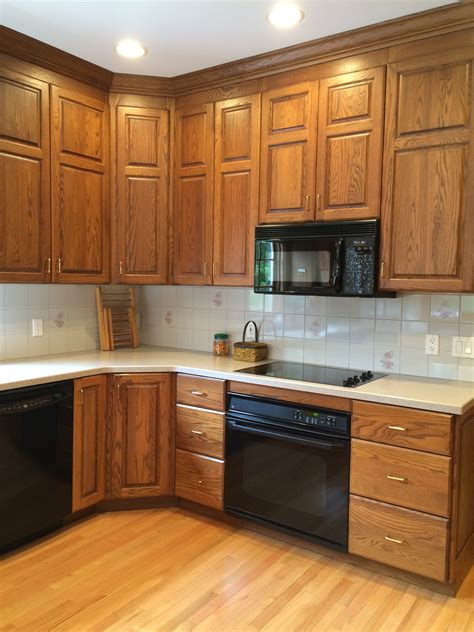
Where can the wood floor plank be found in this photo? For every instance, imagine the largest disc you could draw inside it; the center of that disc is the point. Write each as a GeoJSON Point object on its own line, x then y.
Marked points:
{"type": "Point", "coordinates": [168, 570]}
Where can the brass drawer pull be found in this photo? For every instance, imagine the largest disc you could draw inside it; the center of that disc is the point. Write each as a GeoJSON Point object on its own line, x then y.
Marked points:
{"type": "Point", "coordinates": [401, 428]}
{"type": "Point", "coordinates": [81, 401]}
{"type": "Point", "coordinates": [200, 482]}
{"type": "Point", "coordinates": [389, 539]}
{"type": "Point", "coordinates": [199, 393]}
{"type": "Point", "coordinates": [197, 432]}
{"type": "Point", "coordinates": [397, 478]}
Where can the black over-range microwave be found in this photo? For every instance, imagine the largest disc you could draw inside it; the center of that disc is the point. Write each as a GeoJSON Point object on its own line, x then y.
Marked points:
{"type": "Point", "coordinates": [328, 258]}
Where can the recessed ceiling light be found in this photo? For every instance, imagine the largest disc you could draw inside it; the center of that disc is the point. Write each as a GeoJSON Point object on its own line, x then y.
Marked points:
{"type": "Point", "coordinates": [285, 15]}
{"type": "Point", "coordinates": [130, 48]}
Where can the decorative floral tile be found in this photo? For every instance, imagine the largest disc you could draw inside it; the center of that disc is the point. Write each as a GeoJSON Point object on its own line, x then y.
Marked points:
{"type": "Point", "coordinates": [445, 307]}
{"type": "Point", "coordinates": [315, 327]}
{"type": "Point", "coordinates": [387, 359]}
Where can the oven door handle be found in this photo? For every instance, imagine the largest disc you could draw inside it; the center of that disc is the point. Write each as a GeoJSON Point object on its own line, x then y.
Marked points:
{"type": "Point", "coordinates": [325, 445]}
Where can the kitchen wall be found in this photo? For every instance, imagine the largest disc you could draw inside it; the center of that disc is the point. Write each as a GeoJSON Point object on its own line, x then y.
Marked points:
{"type": "Point", "coordinates": [69, 319]}
{"type": "Point", "coordinates": [383, 334]}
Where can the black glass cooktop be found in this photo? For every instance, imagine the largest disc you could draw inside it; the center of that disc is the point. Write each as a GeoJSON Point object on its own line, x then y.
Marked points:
{"type": "Point", "coordinates": [314, 373]}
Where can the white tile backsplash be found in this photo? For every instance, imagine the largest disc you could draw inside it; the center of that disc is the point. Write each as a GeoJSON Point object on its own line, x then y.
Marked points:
{"type": "Point", "coordinates": [69, 319]}
{"type": "Point", "coordinates": [382, 334]}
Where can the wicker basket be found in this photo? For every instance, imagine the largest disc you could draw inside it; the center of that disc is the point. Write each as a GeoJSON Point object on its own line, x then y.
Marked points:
{"type": "Point", "coordinates": [250, 351]}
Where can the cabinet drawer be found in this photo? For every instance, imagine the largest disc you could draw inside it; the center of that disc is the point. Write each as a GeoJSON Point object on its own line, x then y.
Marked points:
{"type": "Point", "coordinates": [402, 538]}
{"type": "Point", "coordinates": [404, 427]}
{"type": "Point", "coordinates": [199, 478]}
{"type": "Point", "coordinates": [200, 431]}
{"type": "Point", "coordinates": [401, 477]}
{"type": "Point", "coordinates": [201, 391]}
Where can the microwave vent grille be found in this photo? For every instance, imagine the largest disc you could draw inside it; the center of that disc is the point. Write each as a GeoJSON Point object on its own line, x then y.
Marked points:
{"type": "Point", "coordinates": [318, 229]}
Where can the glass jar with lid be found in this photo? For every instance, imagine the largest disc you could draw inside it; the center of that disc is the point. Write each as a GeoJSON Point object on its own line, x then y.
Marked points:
{"type": "Point", "coordinates": [220, 345]}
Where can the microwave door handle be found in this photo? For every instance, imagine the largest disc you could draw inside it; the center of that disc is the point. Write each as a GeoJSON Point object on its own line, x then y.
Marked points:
{"type": "Point", "coordinates": [337, 271]}
{"type": "Point", "coordinates": [325, 445]}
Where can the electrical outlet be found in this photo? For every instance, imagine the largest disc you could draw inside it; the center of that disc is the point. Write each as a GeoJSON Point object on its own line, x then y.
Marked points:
{"type": "Point", "coordinates": [432, 344]}
{"type": "Point", "coordinates": [463, 347]}
{"type": "Point", "coordinates": [36, 327]}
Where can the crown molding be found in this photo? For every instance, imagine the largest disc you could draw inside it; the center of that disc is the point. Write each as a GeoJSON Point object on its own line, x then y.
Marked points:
{"type": "Point", "coordinates": [32, 50]}
{"type": "Point", "coordinates": [142, 84]}
{"type": "Point", "coordinates": [402, 30]}
{"type": "Point", "coordinates": [362, 40]}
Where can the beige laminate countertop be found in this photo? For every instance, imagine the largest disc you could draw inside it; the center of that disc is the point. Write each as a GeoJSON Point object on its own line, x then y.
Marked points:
{"type": "Point", "coordinates": [448, 396]}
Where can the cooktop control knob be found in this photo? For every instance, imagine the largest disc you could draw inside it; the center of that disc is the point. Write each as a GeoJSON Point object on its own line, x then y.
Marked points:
{"type": "Point", "coordinates": [356, 379]}
{"type": "Point", "coordinates": [370, 375]}
{"type": "Point", "coordinates": [348, 382]}
{"type": "Point", "coordinates": [364, 377]}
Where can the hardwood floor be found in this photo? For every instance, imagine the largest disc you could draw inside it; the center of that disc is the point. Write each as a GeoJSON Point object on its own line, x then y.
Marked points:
{"type": "Point", "coordinates": [168, 569]}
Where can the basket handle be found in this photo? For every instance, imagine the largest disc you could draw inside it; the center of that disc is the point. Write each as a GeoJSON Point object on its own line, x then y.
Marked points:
{"type": "Point", "coordinates": [250, 322]}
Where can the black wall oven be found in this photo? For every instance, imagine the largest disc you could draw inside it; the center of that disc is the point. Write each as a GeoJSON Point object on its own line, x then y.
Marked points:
{"type": "Point", "coordinates": [328, 258]}
{"type": "Point", "coordinates": [288, 466]}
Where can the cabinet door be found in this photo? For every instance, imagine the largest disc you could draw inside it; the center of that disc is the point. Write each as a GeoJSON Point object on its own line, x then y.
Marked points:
{"type": "Point", "coordinates": [142, 194]}
{"type": "Point", "coordinates": [88, 479]}
{"type": "Point", "coordinates": [142, 436]}
{"type": "Point", "coordinates": [25, 214]}
{"type": "Point", "coordinates": [193, 195]}
{"type": "Point", "coordinates": [350, 131]}
{"type": "Point", "coordinates": [236, 190]}
{"type": "Point", "coordinates": [427, 216]}
{"type": "Point", "coordinates": [288, 154]}
{"type": "Point", "coordinates": [80, 188]}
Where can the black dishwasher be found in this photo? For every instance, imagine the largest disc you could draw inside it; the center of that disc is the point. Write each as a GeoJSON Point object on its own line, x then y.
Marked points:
{"type": "Point", "coordinates": [36, 431]}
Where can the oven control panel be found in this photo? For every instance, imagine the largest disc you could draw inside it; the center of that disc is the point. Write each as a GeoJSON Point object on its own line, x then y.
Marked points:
{"type": "Point", "coordinates": [320, 418]}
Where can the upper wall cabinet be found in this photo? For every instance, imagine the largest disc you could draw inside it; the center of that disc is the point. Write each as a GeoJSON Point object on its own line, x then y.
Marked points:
{"type": "Point", "coordinates": [428, 219]}
{"type": "Point", "coordinates": [142, 147]}
{"type": "Point", "coordinates": [80, 188]}
{"type": "Point", "coordinates": [236, 189]}
{"type": "Point", "coordinates": [350, 135]}
{"type": "Point", "coordinates": [193, 194]}
{"type": "Point", "coordinates": [25, 253]}
{"type": "Point", "coordinates": [288, 153]}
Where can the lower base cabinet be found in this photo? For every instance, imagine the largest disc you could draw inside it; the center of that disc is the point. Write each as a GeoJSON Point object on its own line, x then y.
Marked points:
{"type": "Point", "coordinates": [88, 480]}
{"type": "Point", "coordinates": [200, 479]}
{"type": "Point", "coordinates": [140, 444]}
{"type": "Point", "coordinates": [405, 539]}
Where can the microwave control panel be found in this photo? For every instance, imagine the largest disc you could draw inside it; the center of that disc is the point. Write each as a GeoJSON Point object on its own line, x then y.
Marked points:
{"type": "Point", "coordinates": [359, 267]}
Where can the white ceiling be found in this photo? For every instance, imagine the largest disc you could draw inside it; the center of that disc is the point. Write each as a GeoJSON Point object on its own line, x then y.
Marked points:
{"type": "Point", "coordinates": [186, 35]}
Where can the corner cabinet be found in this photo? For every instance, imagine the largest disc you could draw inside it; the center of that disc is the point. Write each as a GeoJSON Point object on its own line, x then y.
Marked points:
{"type": "Point", "coordinates": [88, 483]}
{"type": "Point", "coordinates": [142, 166]}
{"type": "Point", "coordinates": [140, 445]}
{"type": "Point", "coordinates": [24, 179]}
{"type": "Point", "coordinates": [80, 188]}
{"type": "Point", "coordinates": [428, 218]}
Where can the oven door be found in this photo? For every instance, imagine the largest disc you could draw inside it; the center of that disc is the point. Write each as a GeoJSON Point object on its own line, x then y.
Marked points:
{"type": "Point", "coordinates": [303, 265]}
{"type": "Point", "coordinates": [287, 479]}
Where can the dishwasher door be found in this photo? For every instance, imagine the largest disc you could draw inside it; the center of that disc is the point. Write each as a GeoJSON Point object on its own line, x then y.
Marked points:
{"type": "Point", "coordinates": [36, 431]}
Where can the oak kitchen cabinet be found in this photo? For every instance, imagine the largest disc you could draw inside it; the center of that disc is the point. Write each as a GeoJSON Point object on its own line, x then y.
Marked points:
{"type": "Point", "coordinates": [25, 215]}
{"type": "Point", "coordinates": [142, 167]}
{"type": "Point", "coordinates": [216, 192]}
{"type": "Point", "coordinates": [54, 200]}
{"type": "Point", "coordinates": [88, 483]}
{"type": "Point", "coordinates": [140, 444]}
{"type": "Point", "coordinates": [427, 214]}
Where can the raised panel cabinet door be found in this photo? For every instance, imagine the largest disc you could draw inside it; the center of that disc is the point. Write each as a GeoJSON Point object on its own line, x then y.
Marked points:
{"type": "Point", "coordinates": [193, 195]}
{"type": "Point", "coordinates": [25, 206]}
{"type": "Point", "coordinates": [88, 478]}
{"type": "Point", "coordinates": [141, 444]}
{"type": "Point", "coordinates": [427, 212]}
{"type": "Point", "coordinates": [236, 190]}
{"type": "Point", "coordinates": [142, 194]}
{"type": "Point", "coordinates": [350, 133]}
{"type": "Point", "coordinates": [288, 154]}
{"type": "Point", "coordinates": [80, 188]}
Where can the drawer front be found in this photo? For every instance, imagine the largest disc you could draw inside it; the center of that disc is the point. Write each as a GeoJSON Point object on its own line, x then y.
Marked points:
{"type": "Point", "coordinates": [401, 477]}
{"type": "Point", "coordinates": [199, 479]}
{"type": "Point", "coordinates": [201, 391]}
{"type": "Point", "coordinates": [200, 431]}
{"type": "Point", "coordinates": [402, 538]}
{"type": "Point", "coordinates": [404, 427]}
